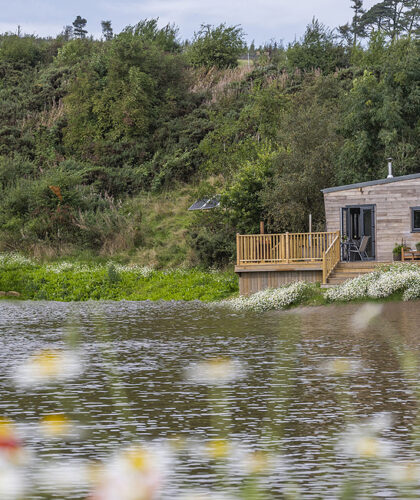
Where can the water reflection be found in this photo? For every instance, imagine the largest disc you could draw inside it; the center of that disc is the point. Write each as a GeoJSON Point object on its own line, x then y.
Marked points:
{"type": "Point", "coordinates": [298, 387]}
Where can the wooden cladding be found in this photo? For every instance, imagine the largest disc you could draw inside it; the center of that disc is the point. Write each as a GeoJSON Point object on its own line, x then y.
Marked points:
{"type": "Point", "coordinates": [284, 248]}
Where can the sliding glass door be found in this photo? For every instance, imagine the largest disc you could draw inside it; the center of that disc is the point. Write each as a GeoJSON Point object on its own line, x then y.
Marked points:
{"type": "Point", "coordinates": [358, 221]}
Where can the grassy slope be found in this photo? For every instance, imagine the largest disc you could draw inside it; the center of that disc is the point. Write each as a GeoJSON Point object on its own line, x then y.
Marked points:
{"type": "Point", "coordinates": [165, 219]}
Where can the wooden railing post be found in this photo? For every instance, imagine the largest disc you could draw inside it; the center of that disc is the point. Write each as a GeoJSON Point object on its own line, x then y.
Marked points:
{"type": "Point", "coordinates": [287, 247]}
{"type": "Point", "coordinates": [237, 250]}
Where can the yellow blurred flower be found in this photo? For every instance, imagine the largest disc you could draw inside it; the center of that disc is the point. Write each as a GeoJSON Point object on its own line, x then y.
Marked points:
{"type": "Point", "coordinates": [218, 448]}
{"type": "Point", "coordinates": [135, 473]}
{"type": "Point", "coordinates": [363, 442]}
{"type": "Point", "coordinates": [257, 462]}
{"type": "Point", "coordinates": [58, 426]}
{"type": "Point", "coordinates": [341, 366]}
{"type": "Point", "coordinates": [405, 472]}
{"type": "Point", "coordinates": [48, 365]}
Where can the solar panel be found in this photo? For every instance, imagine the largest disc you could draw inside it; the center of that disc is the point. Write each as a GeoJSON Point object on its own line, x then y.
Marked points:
{"type": "Point", "coordinates": [206, 203]}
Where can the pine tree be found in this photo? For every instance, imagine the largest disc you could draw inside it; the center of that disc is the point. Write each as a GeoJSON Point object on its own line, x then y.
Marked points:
{"type": "Point", "coordinates": [411, 17]}
{"type": "Point", "coordinates": [79, 27]}
{"type": "Point", "coordinates": [107, 30]}
{"type": "Point", "coordinates": [356, 24]}
{"type": "Point", "coordinates": [67, 33]}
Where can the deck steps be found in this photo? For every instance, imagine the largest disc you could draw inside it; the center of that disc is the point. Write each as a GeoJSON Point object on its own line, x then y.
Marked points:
{"type": "Point", "coordinates": [348, 270]}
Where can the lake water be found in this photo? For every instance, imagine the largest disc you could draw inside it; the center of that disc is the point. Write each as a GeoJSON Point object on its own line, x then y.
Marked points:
{"type": "Point", "coordinates": [307, 385]}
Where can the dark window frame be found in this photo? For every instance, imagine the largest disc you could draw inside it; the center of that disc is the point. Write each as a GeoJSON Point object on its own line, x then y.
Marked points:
{"type": "Point", "coordinates": [414, 229]}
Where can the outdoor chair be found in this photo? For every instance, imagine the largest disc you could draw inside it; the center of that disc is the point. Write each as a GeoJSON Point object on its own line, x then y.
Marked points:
{"type": "Point", "coordinates": [361, 249]}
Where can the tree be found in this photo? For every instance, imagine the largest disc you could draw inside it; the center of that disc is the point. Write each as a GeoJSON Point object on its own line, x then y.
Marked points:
{"type": "Point", "coordinates": [79, 27]}
{"type": "Point", "coordinates": [67, 33]}
{"type": "Point", "coordinates": [306, 162]}
{"type": "Point", "coordinates": [393, 17]}
{"type": "Point", "coordinates": [356, 24]}
{"type": "Point", "coordinates": [217, 47]}
{"type": "Point", "coordinates": [107, 30]}
{"type": "Point", "coordinates": [317, 49]}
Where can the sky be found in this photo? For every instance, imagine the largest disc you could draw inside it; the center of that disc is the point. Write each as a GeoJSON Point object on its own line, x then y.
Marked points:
{"type": "Point", "coordinates": [261, 20]}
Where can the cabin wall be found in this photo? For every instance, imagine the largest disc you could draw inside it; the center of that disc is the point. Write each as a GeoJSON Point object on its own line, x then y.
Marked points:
{"type": "Point", "coordinates": [392, 212]}
{"type": "Point", "coordinates": [252, 282]}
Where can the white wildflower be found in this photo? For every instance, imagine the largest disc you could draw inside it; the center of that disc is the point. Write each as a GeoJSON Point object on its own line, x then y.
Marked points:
{"type": "Point", "coordinates": [63, 478]}
{"type": "Point", "coordinates": [404, 473]}
{"type": "Point", "coordinates": [365, 315]}
{"type": "Point", "coordinates": [204, 494]}
{"type": "Point", "coordinates": [135, 473]}
{"type": "Point", "coordinates": [364, 441]}
{"type": "Point", "coordinates": [277, 298]}
{"type": "Point", "coordinates": [341, 366]}
{"type": "Point", "coordinates": [47, 366]}
{"type": "Point", "coordinates": [383, 282]}
{"type": "Point", "coordinates": [216, 371]}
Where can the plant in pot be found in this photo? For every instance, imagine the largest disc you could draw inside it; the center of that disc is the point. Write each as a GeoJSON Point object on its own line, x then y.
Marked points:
{"type": "Point", "coordinates": [418, 246]}
{"type": "Point", "coordinates": [396, 252]}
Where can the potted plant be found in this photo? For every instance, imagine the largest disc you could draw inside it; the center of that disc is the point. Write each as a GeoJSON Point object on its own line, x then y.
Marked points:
{"type": "Point", "coordinates": [396, 252]}
{"type": "Point", "coordinates": [418, 246]}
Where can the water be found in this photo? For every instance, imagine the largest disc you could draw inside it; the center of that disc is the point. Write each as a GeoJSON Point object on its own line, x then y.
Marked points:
{"type": "Point", "coordinates": [133, 387]}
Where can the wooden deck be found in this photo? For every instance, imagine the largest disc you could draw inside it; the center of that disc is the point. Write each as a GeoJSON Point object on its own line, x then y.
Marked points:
{"type": "Point", "coordinates": [274, 259]}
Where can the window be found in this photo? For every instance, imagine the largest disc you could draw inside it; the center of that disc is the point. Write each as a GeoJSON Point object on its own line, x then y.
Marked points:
{"type": "Point", "coordinates": [415, 219]}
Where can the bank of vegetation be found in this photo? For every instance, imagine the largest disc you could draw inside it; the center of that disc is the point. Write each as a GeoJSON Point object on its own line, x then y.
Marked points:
{"type": "Point", "coordinates": [81, 281]}
{"type": "Point", "coordinates": [105, 143]}
{"type": "Point", "coordinates": [75, 280]}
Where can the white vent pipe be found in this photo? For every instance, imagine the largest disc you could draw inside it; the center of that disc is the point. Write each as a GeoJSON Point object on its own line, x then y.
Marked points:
{"type": "Point", "coordinates": [390, 176]}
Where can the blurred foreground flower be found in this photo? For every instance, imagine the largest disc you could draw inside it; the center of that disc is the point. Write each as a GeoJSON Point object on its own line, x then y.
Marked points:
{"type": "Point", "coordinates": [341, 366]}
{"type": "Point", "coordinates": [12, 459]}
{"type": "Point", "coordinates": [58, 426]}
{"type": "Point", "coordinates": [365, 315]}
{"type": "Point", "coordinates": [407, 473]}
{"type": "Point", "coordinates": [64, 478]}
{"type": "Point", "coordinates": [48, 365]}
{"type": "Point", "coordinates": [363, 441]}
{"type": "Point", "coordinates": [11, 448]}
{"type": "Point", "coordinates": [216, 371]}
{"type": "Point", "coordinates": [136, 473]}
{"type": "Point", "coordinates": [203, 494]}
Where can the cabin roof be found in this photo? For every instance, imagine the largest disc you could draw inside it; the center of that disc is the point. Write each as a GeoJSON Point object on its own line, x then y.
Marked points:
{"type": "Point", "coordinates": [372, 183]}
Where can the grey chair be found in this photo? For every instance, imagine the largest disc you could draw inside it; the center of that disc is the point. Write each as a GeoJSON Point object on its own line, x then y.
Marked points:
{"type": "Point", "coordinates": [361, 249]}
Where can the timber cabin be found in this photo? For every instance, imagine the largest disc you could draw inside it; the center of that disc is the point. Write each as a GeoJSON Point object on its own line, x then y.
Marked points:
{"type": "Point", "coordinates": [379, 214]}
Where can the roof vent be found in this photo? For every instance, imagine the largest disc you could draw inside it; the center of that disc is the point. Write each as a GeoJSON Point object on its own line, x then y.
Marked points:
{"type": "Point", "coordinates": [390, 176]}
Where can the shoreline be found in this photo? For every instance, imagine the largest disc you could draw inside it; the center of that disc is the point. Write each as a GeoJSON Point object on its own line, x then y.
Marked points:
{"type": "Point", "coordinates": [65, 281]}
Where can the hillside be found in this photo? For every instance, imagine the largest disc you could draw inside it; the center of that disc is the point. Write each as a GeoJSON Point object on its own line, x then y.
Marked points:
{"type": "Point", "coordinates": [105, 143]}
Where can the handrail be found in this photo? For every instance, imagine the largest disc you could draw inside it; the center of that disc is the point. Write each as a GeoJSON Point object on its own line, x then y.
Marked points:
{"type": "Point", "coordinates": [283, 248]}
{"type": "Point", "coordinates": [331, 258]}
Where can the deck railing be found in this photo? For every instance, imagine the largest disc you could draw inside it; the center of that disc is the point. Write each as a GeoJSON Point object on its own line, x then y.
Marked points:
{"type": "Point", "coordinates": [331, 258]}
{"type": "Point", "coordinates": [284, 248]}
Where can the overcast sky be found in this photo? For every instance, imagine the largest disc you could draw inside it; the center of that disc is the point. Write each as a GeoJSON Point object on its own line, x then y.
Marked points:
{"type": "Point", "coordinates": [262, 20]}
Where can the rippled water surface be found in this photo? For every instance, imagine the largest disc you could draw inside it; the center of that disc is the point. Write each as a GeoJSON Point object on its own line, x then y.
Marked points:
{"type": "Point", "coordinates": [134, 386]}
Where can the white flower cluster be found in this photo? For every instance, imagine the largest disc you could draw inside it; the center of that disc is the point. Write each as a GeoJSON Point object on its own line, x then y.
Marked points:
{"type": "Point", "coordinates": [14, 259]}
{"type": "Point", "coordinates": [144, 271]}
{"type": "Point", "coordinates": [278, 298]}
{"type": "Point", "coordinates": [379, 284]}
{"type": "Point", "coordinates": [64, 266]}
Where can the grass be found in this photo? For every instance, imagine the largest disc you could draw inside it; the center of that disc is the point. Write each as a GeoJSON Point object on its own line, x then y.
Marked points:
{"type": "Point", "coordinates": [164, 223]}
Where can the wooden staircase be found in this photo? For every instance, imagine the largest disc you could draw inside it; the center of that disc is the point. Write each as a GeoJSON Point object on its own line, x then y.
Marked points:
{"type": "Point", "coordinates": [347, 270]}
